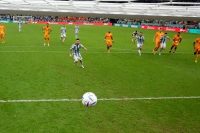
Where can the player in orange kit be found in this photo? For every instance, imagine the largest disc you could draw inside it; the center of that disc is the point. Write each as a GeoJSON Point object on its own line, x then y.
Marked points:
{"type": "Point", "coordinates": [157, 41]}
{"type": "Point", "coordinates": [176, 41]}
{"type": "Point", "coordinates": [196, 44]}
{"type": "Point", "coordinates": [109, 40]}
{"type": "Point", "coordinates": [46, 30]}
{"type": "Point", "coordinates": [2, 33]}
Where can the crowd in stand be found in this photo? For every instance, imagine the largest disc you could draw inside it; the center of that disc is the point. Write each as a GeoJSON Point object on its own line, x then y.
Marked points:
{"type": "Point", "coordinates": [149, 22]}
{"type": "Point", "coordinates": [70, 19]}
{"type": "Point", "coordinates": [167, 23]}
{"type": "Point", "coordinates": [60, 19]}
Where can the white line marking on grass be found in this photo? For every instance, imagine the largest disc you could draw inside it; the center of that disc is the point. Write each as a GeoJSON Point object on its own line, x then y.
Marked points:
{"type": "Point", "coordinates": [100, 99]}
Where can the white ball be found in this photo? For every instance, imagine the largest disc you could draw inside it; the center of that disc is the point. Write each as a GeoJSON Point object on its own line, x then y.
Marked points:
{"type": "Point", "coordinates": [89, 99]}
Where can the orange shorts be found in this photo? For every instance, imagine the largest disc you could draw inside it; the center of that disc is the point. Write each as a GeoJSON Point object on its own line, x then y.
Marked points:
{"type": "Point", "coordinates": [109, 42]}
{"type": "Point", "coordinates": [2, 34]}
{"type": "Point", "coordinates": [175, 43]}
{"type": "Point", "coordinates": [46, 37]}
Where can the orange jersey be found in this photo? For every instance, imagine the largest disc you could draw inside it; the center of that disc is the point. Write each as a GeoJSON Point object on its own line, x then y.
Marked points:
{"type": "Point", "coordinates": [2, 29]}
{"type": "Point", "coordinates": [108, 36]}
{"type": "Point", "coordinates": [157, 38]}
{"type": "Point", "coordinates": [158, 35]}
{"type": "Point", "coordinates": [197, 44]}
{"type": "Point", "coordinates": [177, 39]}
{"type": "Point", "coordinates": [46, 30]}
{"type": "Point", "coordinates": [109, 39]}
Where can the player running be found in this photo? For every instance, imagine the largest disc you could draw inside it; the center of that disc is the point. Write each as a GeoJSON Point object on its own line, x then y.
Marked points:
{"type": "Point", "coordinates": [108, 40]}
{"type": "Point", "coordinates": [139, 38]}
{"type": "Point", "coordinates": [76, 30]}
{"type": "Point", "coordinates": [46, 30]}
{"type": "Point", "coordinates": [2, 33]}
{"type": "Point", "coordinates": [163, 42]}
{"type": "Point", "coordinates": [63, 33]}
{"type": "Point", "coordinates": [134, 34]}
{"type": "Point", "coordinates": [196, 44]}
{"type": "Point", "coordinates": [20, 25]}
{"type": "Point", "coordinates": [75, 51]}
{"type": "Point", "coordinates": [157, 41]}
{"type": "Point", "coordinates": [176, 41]}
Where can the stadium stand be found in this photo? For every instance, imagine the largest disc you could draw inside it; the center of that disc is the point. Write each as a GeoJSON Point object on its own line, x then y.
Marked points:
{"type": "Point", "coordinates": [104, 8]}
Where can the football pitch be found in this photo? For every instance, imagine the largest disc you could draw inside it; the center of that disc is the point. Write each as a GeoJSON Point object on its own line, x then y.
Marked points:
{"type": "Point", "coordinates": [41, 88]}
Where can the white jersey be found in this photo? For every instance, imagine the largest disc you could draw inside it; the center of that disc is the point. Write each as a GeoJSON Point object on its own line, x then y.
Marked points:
{"type": "Point", "coordinates": [76, 51]}
{"type": "Point", "coordinates": [163, 41]}
{"type": "Point", "coordinates": [139, 40]}
{"type": "Point", "coordinates": [20, 25]}
{"type": "Point", "coordinates": [76, 29]}
{"type": "Point", "coordinates": [63, 31]}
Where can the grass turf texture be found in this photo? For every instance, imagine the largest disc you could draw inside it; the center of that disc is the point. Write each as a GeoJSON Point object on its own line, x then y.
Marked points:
{"type": "Point", "coordinates": [39, 72]}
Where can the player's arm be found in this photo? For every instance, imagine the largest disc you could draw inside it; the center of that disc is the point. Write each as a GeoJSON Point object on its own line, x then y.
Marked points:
{"type": "Point", "coordinates": [168, 38]}
{"type": "Point", "coordinates": [180, 40]}
{"type": "Point", "coordinates": [194, 44]}
{"type": "Point", "coordinates": [84, 47]}
{"type": "Point", "coordinates": [71, 51]}
{"type": "Point", "coordinates": [105, 37]}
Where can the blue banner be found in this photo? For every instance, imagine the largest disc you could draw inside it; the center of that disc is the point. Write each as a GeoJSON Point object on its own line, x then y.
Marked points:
{"type": "Point", "coordinates": [196, 31]}
{"type": "Point", "coordinates": [4, 21]}
{"type": "Point", "coordinates": [127, 25]}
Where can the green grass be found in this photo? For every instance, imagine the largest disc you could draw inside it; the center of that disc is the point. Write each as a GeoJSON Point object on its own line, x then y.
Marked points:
{"type": "Point", "coordinates": [122, 73]}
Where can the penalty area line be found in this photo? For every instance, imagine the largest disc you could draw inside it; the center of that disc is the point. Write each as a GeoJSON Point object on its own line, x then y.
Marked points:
{"type": "Point", "coordinates": [100, 99]}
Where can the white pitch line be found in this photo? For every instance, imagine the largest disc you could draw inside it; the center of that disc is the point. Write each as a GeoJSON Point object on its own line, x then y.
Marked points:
{"type": "Point", "coordinates": [100, 99]}
{"type": "Point", "coordinates": [149, 98]}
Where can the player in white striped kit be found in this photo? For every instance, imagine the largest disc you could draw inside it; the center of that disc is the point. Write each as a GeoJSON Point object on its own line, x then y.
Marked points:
{"type": "Point", "coordinates": [20, 25]}
{"type": "Point", "coordinates": [76, 31]}
{"type": "Point", "coordinates": [75, 52]}
{"type": "Point", "coordinates": [139, 38]}
{"type": "Point", "coordinates": [63, 33]}
{"type": "Point", "coordinates": [163, 41]}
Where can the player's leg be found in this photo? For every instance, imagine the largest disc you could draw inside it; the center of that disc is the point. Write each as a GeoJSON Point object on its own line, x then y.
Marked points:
{"type": "Point", "coordinates": [109, 48]}
{"type": "Point", "coordinates": [45, 39]}
{"type": "Point", "coordinates": [171, 48]}
{"type": "Point", "coordinates": [156, 47]}
{"type": "Point", "coordinates": [139, 49]}
{"type": "Point", "coordinates": [162, 48]}
{"type": "Point", "coordinates": [80, 60]}
{"type": "Point", "coordinates": [75, 59]}
{"type": "Point", "coordinates": [175, 48]}
{"type": "Point", "coordinates": [197, 53]}
{"type": "Point", "coordinates": [20, 28]}
{"type": "Point", "coordinates": [63, 39]}
{"type": "Point", "coordinates": [160, 51]}
{"type": "Point", "coordinates": [3, 37]}
{"type": "Point", "coordinates": [48, 40]}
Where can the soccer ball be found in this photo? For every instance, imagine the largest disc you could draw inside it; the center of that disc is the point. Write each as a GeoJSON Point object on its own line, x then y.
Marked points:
{"type": "Point", "coordinates": [89, 99]}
